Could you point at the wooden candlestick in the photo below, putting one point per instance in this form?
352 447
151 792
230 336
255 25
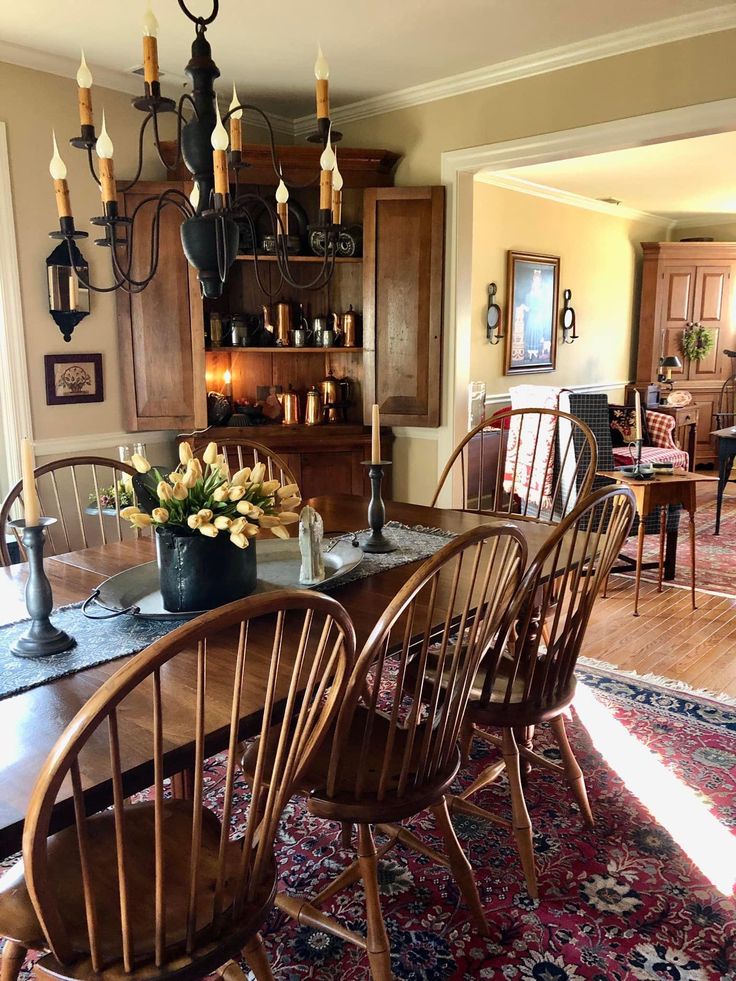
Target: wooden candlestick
85 106
325 190
323 98
63 205
150 59
107 180
222 186
236 135
336 207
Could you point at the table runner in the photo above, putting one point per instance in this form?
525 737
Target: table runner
100 641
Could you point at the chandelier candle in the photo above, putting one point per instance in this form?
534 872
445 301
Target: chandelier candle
337 184
236 126
104 149
150 47
57 169
84 94
219 142
282 208
327 162
322 73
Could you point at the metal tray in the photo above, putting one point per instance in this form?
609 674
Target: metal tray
136 591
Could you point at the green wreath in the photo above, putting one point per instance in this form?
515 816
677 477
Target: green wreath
697 342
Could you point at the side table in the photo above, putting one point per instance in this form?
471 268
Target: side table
661 491
726 457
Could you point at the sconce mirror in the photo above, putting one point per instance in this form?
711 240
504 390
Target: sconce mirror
68 298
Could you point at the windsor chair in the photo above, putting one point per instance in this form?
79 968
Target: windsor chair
69 490
241 452
395 749
529 463
160 888
528 677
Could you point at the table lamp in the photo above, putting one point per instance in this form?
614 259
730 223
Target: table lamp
666 365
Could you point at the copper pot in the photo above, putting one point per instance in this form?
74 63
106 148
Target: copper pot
284 324
350 327
335 396
313 410
290 405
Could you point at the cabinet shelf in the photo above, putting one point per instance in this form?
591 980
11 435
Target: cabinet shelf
284 350
301 258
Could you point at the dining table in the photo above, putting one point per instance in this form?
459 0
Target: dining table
32 721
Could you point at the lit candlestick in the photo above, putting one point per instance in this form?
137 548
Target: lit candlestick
57 169
219 142
375 435
637 415
322 73
228 386
104 149
31 504
327 163
150 46
337 184
84 95
236 127
282 207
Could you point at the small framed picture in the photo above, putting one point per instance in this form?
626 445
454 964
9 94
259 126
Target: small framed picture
531 329
73 378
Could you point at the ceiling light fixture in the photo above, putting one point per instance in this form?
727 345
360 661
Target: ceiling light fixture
210 232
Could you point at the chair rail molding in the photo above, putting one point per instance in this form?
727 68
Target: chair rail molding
458 169
15 404
65 445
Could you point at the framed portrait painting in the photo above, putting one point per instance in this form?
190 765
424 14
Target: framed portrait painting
73 378
531 328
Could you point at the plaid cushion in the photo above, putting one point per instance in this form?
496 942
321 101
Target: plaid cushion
661 426
651 454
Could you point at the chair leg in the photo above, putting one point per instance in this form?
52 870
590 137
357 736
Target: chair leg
520 819
379 956
12 960
346 835
461 867
486 776
466 740
257 959
572 770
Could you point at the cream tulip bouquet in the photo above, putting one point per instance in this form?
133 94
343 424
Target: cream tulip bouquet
207 500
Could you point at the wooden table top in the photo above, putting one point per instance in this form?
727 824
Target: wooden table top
32 721
728 433
678 477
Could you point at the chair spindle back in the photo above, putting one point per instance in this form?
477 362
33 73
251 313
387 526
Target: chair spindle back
241 453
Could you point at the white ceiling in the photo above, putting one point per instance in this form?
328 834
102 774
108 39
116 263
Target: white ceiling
682 179
374 48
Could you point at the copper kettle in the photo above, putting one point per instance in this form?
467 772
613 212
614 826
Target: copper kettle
350 327
335 397
290 405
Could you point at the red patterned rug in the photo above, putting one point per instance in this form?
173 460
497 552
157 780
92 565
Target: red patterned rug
715 568
646 894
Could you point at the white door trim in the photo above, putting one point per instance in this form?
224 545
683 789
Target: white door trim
457 169
15 403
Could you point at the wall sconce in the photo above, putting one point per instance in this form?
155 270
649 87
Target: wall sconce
568 319
493 317
68 296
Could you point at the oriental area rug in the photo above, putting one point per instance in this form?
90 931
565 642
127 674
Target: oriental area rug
647 893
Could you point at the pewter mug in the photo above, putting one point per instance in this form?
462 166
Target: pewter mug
299 337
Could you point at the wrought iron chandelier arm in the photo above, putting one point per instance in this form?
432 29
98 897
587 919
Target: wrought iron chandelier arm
270 293
141 136
180 120
91 162
85 280
272 141
169 197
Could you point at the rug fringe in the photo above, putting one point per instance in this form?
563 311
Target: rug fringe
660 681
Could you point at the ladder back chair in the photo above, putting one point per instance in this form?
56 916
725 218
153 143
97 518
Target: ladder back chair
70 491
395 745
241 452
533 464
528 677
166 887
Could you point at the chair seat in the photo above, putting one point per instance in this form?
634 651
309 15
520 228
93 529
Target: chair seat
651 454
18 919
343 805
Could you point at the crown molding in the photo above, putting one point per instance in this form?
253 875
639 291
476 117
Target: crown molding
721 18
704 221
571 199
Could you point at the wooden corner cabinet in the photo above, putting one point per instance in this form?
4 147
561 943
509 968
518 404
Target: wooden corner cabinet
687 283
170 361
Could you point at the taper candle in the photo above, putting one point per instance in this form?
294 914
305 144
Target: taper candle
322 73
236 126
150 46
637 414
84 95
219 142
282 207
104 149
337 184
327 163
31 504
57 169
375 435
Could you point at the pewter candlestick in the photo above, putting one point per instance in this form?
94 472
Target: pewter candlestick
637 444
42 638
376 541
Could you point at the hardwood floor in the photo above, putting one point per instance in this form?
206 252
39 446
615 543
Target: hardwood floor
669 638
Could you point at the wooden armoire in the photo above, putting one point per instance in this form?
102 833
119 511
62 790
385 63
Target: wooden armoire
687 283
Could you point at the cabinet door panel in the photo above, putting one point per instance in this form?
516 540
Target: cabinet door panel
711 310
402 303
161 333
676 311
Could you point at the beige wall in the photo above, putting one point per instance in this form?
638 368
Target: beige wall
720 232
599 259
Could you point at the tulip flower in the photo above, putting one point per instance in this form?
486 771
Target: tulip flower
205 514
236 525
250 530
189 479
141 520
241 477
175 476
128 512
289 503
288 517
239 540
270 486
258 473
223 523
140 463
222 465
235 493
269 521
185 453
194 521
209 530
160 515
210 454
288 490
164 491
180 492
221 493
279 531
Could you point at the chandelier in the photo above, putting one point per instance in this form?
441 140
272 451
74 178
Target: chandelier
211 215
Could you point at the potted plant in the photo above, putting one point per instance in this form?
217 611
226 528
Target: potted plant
106 501
206 522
